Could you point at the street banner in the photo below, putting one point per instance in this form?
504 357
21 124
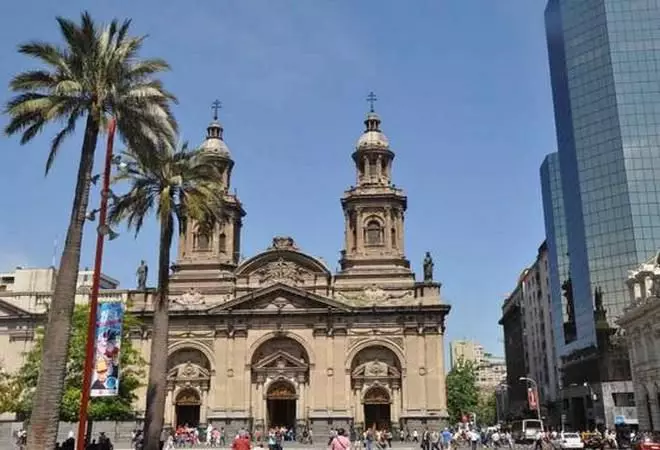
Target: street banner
532 398
105 372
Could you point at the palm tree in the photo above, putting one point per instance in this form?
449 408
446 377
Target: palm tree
95 74
179 185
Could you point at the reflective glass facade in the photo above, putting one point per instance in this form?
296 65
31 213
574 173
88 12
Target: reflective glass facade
556 239
605 72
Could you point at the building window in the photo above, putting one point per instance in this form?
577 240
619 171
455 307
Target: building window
202 243
222 243
373 233
393 234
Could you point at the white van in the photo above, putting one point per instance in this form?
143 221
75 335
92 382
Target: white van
524 431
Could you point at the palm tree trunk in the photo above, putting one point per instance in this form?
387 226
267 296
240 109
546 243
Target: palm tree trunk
44 420
156 391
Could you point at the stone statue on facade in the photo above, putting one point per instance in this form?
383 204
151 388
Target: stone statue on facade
428 267
142 272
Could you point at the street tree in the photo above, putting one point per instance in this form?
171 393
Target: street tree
181 187
24 382
462 392
93 75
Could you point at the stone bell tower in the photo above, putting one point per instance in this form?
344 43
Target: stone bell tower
374 212
207 257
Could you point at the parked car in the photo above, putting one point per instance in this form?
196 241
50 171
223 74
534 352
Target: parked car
646 441
567 440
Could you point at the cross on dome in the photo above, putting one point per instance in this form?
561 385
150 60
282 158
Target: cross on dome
371 98
216 106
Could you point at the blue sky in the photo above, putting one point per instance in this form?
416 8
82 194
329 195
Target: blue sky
463 93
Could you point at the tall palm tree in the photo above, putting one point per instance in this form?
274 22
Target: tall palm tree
94 74
179 185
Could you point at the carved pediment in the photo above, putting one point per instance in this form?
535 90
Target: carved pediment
375 369
7 309
280 297
283 263
280 361
188 371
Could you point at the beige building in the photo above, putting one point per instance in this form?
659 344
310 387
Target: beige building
490 370
278 339
465 350
641 325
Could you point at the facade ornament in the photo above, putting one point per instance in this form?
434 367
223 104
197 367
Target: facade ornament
374 294
283 243
282 271
376 368
142 273
428 267
189 371
423 371
191 298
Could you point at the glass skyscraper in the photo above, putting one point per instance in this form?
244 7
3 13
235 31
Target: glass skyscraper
605 71
558 265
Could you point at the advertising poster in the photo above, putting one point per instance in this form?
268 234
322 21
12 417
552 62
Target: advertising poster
105 371
532 399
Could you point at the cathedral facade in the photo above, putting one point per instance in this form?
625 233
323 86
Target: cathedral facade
278 339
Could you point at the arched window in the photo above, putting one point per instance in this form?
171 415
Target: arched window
202 242
222 243
373 233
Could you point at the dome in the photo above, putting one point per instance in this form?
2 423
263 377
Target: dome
214 142
372 136
373 139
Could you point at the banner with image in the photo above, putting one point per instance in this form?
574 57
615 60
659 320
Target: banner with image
105 371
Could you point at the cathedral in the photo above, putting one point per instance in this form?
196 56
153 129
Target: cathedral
277 339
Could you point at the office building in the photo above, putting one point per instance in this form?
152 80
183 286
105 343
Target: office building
530 304
604 57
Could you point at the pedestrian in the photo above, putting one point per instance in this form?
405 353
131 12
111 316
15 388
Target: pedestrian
340 441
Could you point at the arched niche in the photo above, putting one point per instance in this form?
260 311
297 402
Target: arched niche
280 357
375 365
188 367
258 345
356 350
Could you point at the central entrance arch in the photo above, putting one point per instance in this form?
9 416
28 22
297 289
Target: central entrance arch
281 404
187 408
377 412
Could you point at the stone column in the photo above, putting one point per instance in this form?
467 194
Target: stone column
631 289
379 170
367 169
169 408
400 231
203 410
388 228
347 231
359 232
642 285
396 403
359 411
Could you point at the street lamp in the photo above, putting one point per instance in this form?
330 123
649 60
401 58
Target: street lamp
102 231
535 386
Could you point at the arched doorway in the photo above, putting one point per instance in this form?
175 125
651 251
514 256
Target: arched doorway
280 374
376 383
188 383
281 404
377 411
187 408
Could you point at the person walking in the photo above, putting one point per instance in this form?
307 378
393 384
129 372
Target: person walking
340 441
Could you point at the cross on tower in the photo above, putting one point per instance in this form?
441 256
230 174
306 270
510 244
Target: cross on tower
371 98
216 105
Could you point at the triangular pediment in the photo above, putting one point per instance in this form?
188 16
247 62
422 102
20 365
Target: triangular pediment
8 310
280 297
280 360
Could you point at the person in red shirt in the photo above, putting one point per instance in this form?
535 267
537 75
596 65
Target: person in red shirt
242 442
